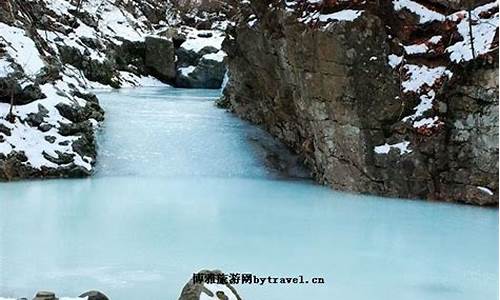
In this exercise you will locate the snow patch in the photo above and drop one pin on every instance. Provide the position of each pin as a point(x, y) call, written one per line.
point(343, 15)
point(22, 49)
point(386, 148)
point(483, 33)
point(426, 15)
point(485, 190)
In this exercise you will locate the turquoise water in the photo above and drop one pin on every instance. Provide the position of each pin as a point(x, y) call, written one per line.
point(180, 188)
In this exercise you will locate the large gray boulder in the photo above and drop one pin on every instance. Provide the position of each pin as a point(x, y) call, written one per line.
point(45, 295)
point(160, 58)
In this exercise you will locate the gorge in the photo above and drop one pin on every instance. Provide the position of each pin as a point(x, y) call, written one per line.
point(379, 98)
point(167, 201)
point(144, 140)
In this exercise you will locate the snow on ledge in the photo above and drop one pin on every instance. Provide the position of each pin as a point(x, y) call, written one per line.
point(425, 14)
point(419, 76)
point(187, 70)
point(485, 190)
point(386, 148)
point(218, 57)
point(343, 15)
point(199, 39)
point(130, 80)
point(483, 32)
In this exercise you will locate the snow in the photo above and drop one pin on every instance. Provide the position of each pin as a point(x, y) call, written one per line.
point(219, 56)
point(252, 22)
point(421, 80)
point(129, 80)
point(343, 15)
point(425, 80)
point(386, 148)
point(22, 49)
point(483, 29)
point(483, 32)
point(421, 75)
point(5, 68)
point(425, 14)
point(214, 288)
point(116, 22)
point(485, 190)
point(424, 105)
point(187, 70)
point(72, 40)
point(416, 49)
point(394, 60)
point(435, 39)
point(427, 122)
point(195, 42)
point(114, 25)
point(32, 141)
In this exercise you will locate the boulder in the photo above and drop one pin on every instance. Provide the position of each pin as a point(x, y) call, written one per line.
point(131, 54)
point(44, 295)
point(197, 291)
point(160, 58)
point(36, 119)
point(94, 295)
point(10, 87)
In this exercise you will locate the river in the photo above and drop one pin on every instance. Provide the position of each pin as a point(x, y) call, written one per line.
point(180, 187)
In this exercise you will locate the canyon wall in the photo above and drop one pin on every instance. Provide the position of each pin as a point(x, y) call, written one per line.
point(379, 97)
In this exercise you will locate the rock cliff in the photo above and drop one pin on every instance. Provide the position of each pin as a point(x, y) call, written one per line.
point(379, 97)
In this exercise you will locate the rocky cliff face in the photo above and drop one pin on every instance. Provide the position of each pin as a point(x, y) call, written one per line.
point(384, 98)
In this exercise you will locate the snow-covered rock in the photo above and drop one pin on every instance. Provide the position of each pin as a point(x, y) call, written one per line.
point(209, 291)
point(385, 98)
point(52, 52)
point(200, 59)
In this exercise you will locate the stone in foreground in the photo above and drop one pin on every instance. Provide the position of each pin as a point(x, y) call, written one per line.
point(202, 291)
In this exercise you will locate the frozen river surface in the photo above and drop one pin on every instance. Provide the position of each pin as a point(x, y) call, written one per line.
point(181, 188)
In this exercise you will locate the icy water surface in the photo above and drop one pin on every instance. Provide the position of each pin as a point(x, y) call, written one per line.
point(179, 188)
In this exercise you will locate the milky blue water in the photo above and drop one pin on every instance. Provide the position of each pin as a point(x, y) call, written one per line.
point(180, 188)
